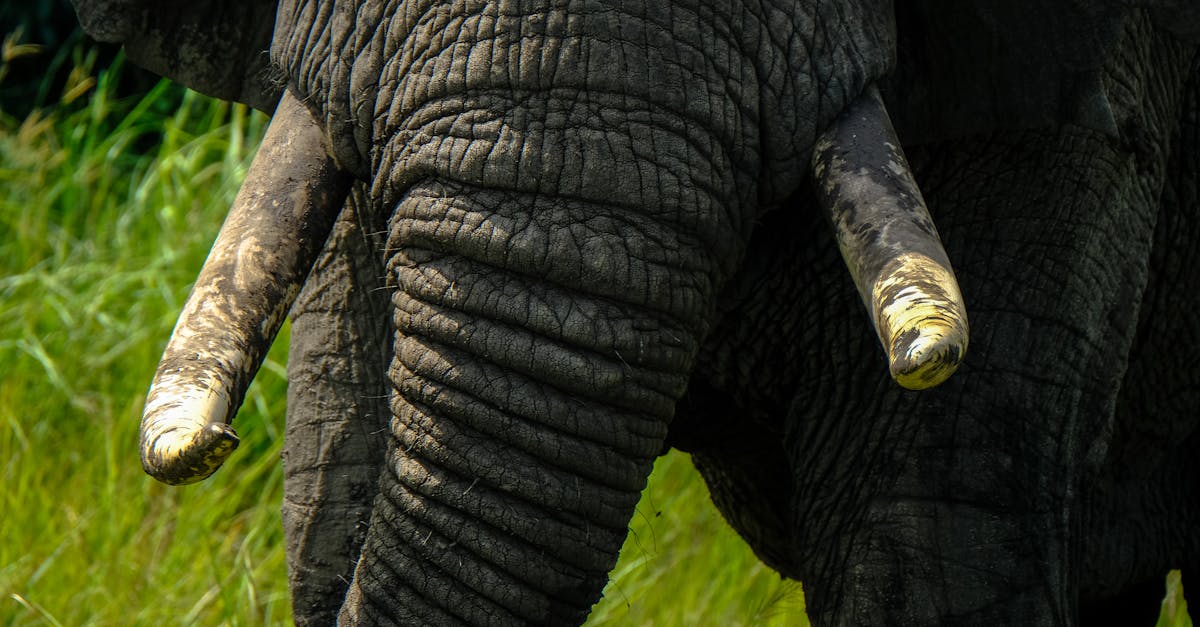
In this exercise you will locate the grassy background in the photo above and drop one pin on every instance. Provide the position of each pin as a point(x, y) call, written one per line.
point(107, 209)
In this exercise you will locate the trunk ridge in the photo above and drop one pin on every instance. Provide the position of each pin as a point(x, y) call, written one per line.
point(538, 359)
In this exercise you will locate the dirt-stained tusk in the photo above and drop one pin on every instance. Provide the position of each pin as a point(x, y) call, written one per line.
point(277, 226)
point(890, 244)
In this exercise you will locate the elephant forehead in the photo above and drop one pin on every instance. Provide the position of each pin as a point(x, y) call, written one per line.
point(761, 78)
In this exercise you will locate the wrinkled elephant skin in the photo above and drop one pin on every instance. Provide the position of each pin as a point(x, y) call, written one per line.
point(580, 232)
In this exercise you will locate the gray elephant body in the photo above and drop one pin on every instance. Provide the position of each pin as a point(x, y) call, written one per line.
point(599, 239)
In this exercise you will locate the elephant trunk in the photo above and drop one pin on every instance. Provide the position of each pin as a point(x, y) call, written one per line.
point(275, 229)
point(890, 244)
point(542, 343)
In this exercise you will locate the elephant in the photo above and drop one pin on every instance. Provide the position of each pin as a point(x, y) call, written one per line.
point(536, 244)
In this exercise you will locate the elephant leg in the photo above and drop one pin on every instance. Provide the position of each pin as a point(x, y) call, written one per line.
point(1137, 531)
point(1145, 512)
point(741, 460)
point(1146, 517)
point(337, 413)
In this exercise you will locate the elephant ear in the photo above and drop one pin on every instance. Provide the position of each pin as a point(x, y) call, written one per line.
point(973, 66)
point(217, 47)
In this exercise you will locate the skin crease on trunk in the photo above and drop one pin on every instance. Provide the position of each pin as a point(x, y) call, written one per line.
point(579, 223)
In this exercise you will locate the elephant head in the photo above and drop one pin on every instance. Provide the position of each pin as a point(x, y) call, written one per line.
point(522, 230)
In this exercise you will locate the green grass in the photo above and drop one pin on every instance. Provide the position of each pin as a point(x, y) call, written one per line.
point(682, 565)
point(107, 209)
point(100, 241)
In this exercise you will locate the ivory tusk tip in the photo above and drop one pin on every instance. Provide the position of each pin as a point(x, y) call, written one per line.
point(921, 321)
point(180, 459)
point(922, 358)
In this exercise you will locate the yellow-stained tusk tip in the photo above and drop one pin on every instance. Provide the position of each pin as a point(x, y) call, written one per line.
point(921, 321)
point(924, 357)
point(195, 458)
point(220, 441)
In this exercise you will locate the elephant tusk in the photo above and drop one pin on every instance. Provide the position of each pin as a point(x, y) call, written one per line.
point(278, 224)
point(890, 245)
